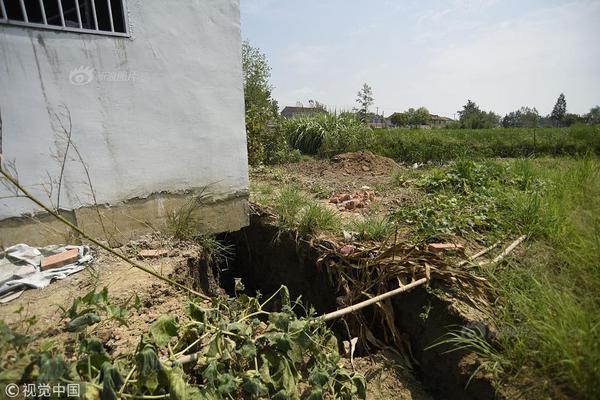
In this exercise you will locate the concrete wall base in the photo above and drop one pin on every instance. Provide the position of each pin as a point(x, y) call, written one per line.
point(121, 223)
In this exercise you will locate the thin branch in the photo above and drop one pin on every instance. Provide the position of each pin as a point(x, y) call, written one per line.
point(68, 133)
point(477, 255)
point(509, 249)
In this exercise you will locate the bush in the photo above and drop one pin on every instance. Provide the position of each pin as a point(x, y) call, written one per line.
point(267, 144)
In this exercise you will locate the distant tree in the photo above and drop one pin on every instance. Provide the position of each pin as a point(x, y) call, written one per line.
point(593, 117)
point(572, 119)
point(418, 117)
point(560, 110)
point(257, 89)
point(265, 145)
point(472, 117)
point(364, 100)
point(469, 110)
point(399, 119)
point(524, 117)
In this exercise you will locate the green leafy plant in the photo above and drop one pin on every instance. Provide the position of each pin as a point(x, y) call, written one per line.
point(236, 348)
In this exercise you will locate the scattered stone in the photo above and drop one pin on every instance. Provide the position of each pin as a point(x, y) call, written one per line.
point(60, 260)
point(158, 253)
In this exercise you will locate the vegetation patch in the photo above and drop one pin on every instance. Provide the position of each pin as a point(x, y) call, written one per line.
point(230, 349)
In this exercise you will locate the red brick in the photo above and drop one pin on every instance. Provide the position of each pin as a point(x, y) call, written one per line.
point(439, 247)
point(158, 253)
point(60, 260)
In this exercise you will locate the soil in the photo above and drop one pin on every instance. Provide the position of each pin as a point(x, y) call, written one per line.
point(386, 379)
point(347, 173)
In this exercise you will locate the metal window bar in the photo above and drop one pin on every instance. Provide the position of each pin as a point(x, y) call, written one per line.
point(24, 11)
point(94, 14)
point(4, 14)
point(110, 17)
point(44, 19)
point(63, 27)
point(78, 14)
point(62, 14)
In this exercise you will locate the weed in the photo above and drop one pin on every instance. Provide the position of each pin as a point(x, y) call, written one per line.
point(373, 228)
point(288, 204)
point(316, 218)
point(297, 211)
point(234, 355)
point(182, 223)
point(216, 252)
point(473, 339)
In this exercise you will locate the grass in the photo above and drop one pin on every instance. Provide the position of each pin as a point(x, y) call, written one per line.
point(298, 211)
point(373, 228)
point(552, 292)
point(549, 294)
point(182, 223)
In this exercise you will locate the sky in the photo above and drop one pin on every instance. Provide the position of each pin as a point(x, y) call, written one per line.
point(502, 54)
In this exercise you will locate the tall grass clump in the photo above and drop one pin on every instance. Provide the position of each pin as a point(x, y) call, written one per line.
point(373, 228)
point(297, 211)
point(327, 134)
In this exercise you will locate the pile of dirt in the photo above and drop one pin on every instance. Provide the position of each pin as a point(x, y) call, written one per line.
point(363, 161)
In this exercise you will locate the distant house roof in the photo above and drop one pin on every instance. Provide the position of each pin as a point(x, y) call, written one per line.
point(290, 112)
point(435, 117)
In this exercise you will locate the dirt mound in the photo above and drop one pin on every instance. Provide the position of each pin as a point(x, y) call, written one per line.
point(364, 161)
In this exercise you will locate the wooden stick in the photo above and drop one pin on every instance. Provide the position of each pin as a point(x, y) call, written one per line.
point(97, 243)
point(477, 255)
point(376, 299)
point(508, 250)
point(189, 358)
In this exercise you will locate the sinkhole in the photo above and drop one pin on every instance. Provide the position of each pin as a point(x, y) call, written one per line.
point(265, 257)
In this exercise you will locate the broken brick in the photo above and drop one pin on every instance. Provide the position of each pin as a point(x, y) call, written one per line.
point(158, 253)
point(440, 247)
point(347, 250)
point(60, 260)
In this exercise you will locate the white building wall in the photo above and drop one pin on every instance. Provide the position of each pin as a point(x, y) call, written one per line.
point(164, 111)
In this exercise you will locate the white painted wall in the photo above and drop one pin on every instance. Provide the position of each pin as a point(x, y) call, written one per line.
point(173, 121)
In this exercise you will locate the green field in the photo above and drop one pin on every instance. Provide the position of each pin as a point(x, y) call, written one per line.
point(448, 144)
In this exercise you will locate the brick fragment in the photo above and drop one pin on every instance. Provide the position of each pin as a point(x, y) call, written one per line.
point(157, 253)
point(60, 260)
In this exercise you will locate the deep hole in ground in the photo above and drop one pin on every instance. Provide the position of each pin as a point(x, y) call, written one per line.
point(265, 258)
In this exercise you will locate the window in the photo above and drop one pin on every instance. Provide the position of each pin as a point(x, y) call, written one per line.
point(89, 16)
